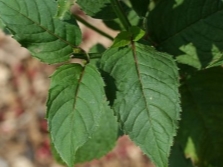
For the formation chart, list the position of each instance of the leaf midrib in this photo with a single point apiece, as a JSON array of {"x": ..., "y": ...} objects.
[
  {"x": 74, "y": 106},
  {"x": 187, "y": 27},
  {"x": 142, "y": 90},
  {"x": 45, "y": 29}
]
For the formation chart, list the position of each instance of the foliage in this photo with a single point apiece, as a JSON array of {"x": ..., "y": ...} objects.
[{"x": 145, "y": 87}]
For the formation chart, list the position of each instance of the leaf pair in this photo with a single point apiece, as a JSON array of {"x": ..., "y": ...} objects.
[{"x": 147, "y": 101}]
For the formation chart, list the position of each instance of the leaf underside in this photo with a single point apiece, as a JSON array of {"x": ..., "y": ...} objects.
[
  {"x": 191, "y": 30},
  {"x": 74, "y": 108},
  {"x": 201, "y": 131},
  {"x": 147, "y": 101},
  {"x": 33, "y": 25}
]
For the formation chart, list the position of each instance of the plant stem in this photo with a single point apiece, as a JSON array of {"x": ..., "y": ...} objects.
[
  {"x": 90, "y": 56},
  {"x": 95, "y": 55},
  {"x": 121, "y": 15},
  {"x": 81, "y": 20}
]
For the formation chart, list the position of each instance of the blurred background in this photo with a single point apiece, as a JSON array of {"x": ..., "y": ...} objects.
[{"x": 24, "y": 83}]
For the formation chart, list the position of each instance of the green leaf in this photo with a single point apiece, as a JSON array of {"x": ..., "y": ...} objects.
[
  {"x": 102, "y": 141},
  {"x": 32, "y": 23},
  {"x": 124, "y": 38},
  {"x": 201, "y": 130},
  {"x": 217, "y": 62},
  {"x": 55, "y": 154},
  {"x": 63, "y": 6},
  {"x": 136, "y": 33},
  {"x": 147, "y": 101},
  {"x": 191, "y": 30},
  {"x": 74, "y": 108},
  {"x": 2, "y": 25},
  {"x": 140, "y": 6},
  {"x": 116, "y": 24},
  {"x": 110, "y": 87},
  {"x": 100, "y": 9},
  {"x": 98, "y": 48},
  {"x": 95, "y": 53}
]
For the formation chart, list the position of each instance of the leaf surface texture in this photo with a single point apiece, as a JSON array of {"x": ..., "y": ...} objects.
[
  {"x": 147, "y": 101},
  {"x": 34, "y": 26},
  {"x": 74, "y": 108},
  {"x": 102, "y": 141}
]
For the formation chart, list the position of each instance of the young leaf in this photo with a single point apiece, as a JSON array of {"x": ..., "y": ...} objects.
[
  {"x": 74, "y": 108},
  {"x": 136, "y": 33},
  {"x": 147, "y": 101},
  {"x": 100, "y": 9},
  {"x": 32, "y": 23},
  {"x": 124, "y": 38},
  {"x": 63, "y": 6},
  {"x": 201, "y": 130},
  {"x": 191, "y": 30}
]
